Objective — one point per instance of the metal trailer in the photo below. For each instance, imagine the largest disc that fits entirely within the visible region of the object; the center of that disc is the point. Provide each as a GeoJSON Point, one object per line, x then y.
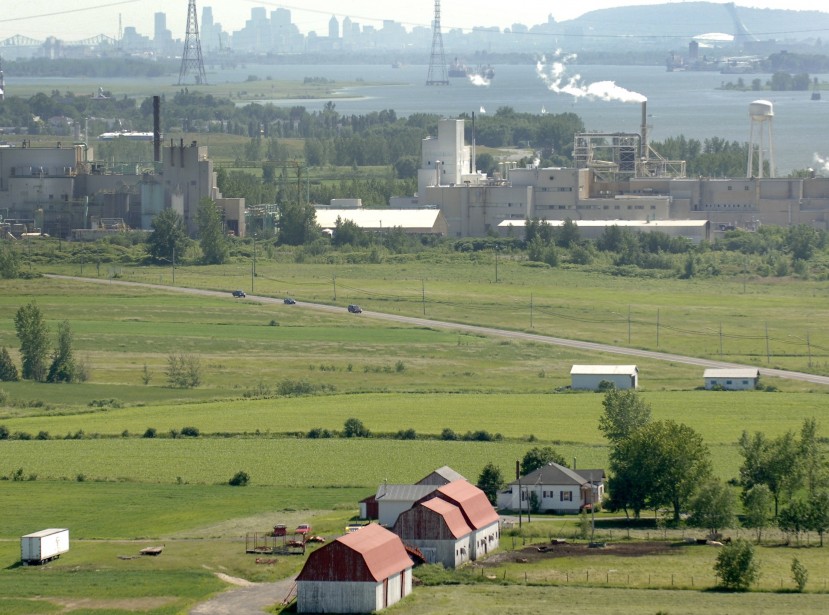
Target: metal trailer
{"type": "Point", "coordinates": [43, 546]}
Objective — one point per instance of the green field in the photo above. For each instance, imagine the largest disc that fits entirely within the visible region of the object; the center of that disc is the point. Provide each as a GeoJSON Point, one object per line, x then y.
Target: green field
{"type": "Point", "coordinates": [119, 492]}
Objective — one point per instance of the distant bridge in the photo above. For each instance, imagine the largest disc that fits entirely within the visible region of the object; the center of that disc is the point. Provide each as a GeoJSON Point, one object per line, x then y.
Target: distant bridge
{"type": "Point", "coordinates": [18, 40]}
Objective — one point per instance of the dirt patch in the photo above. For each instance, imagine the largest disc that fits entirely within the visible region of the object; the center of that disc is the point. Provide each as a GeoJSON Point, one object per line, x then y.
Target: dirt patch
{"type": "Point", "coordinates": [233, 580]}
{"type": "Point", "coordinates": [545, 551]}
{"type": "Point", "coordinates": [131, 604]}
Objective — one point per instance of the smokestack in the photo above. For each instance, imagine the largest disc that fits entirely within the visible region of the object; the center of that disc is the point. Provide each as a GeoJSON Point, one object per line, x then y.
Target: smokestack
{"type": "Point", "coordinates": [157, 128]}
{"type": "Point", "coordinates": [644, 135]}
{"type": "Point", "coordinates": [472, 168]}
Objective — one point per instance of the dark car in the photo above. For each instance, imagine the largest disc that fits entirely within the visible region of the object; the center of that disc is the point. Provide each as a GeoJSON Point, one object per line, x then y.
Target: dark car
{"type": "Point", "coordinates": [355, 309]}
{"type": "Point", "coordinates": [238, 293]}
{"type": "Point", "coordinates": [288, 301]}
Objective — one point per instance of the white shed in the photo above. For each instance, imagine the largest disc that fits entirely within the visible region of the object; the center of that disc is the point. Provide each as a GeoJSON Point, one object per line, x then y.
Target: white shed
{"type": "Point", "coordinates": [590, 377]}
{"type": "Point", "coordinates": [732, 379]}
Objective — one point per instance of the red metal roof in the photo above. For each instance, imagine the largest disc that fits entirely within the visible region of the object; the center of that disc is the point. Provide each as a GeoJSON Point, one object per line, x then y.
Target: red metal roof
{"type": "Point", "coordinates": [434, 519]}
{"type": "Point", "coordinates": [476, 508]}
{"type": "Point", "coordinates": [372, 553]}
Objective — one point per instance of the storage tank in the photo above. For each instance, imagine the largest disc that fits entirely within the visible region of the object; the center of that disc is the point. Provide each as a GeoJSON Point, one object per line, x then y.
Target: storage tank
{"type": "Point", "coordinates": [43, 546]}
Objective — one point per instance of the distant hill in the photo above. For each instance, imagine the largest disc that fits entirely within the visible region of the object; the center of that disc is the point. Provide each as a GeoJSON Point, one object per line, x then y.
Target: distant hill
{"type": "Point", "coordinates": [687, 19]}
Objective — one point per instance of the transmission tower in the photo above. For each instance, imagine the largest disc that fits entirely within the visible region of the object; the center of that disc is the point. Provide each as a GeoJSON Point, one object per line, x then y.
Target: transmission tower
{"type": "Point", "coordinates": [191, 58]}
{"type": "Point", "coordinates": [437, 61]}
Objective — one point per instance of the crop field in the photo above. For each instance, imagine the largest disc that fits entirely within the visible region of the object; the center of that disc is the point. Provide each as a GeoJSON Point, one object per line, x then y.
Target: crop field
{"type": "Point", "coordinates": [93, 471]}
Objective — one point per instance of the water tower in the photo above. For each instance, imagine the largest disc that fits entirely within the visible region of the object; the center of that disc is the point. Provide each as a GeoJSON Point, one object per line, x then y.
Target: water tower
{"type": "Point", "coordinates": [762, 114]}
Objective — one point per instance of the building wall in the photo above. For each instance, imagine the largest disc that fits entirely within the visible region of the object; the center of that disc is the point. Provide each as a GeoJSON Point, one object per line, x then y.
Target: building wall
{"type": "Point", "coordinates": [389, 510]}
{"type": "Point", "coordinates": [450, 553]}
{"type": "Point", "coordinates": [731, 384]}
{"type": "Point", "coordinates": [590, 382]}
{"type": "Point", "coordinates": [349, 597]}
{"type": "Point", "coordinates": [485, 540]}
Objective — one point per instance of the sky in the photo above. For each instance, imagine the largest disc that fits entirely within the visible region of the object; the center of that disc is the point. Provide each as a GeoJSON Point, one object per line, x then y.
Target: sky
{"type": "Point", "coordinates": [78, 19]}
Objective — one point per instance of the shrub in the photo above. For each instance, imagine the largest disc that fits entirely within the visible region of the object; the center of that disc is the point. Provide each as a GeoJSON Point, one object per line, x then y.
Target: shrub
{"type": "Point", "coordinates": [799, 574]}
{"type": "Point", "coordinates": [406, 434]}
{"type": "Point", "coordinates": [8, 370]}
{"type": "Point", "coordinates": [43, 435]}
{"type": "Point", "coordinates": [354, 428]}
{"type": "Point", "coordinates": [448, 434]}
{"type": "Point", "coordinates": [240, 479]}
{"type": "Point", "coordinates": [150, 433]}
{"type": "Point", "coordinates": [190, 432]}
{"type": "Point", "coordinates": [4, 432]}
{"type": "Point", "coordinates": [183, 371]}
{"type": "Point", "coordinates": [736, 567]}
{"type": "Point", "coordinates": [318, 432]}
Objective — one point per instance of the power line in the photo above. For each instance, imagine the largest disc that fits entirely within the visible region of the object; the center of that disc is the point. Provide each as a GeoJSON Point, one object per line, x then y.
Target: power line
{"type": "Point", "coordinates": [68, 11]}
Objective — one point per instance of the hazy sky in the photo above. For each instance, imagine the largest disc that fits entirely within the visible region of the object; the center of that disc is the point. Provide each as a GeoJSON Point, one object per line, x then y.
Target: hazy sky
{"type": "Point", "coordinates": [78, 19]}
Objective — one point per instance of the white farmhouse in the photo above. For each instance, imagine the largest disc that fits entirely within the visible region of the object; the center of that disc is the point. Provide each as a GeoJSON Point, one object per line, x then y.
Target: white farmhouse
{"type": "Point", "coordinates": [590, 377]}
{"type": "Point", "coordinates": [556, 488]}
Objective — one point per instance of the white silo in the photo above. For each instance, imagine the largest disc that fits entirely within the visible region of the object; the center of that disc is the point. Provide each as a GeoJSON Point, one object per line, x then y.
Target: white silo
{"type": "Point", "coordinates": [761, 140]}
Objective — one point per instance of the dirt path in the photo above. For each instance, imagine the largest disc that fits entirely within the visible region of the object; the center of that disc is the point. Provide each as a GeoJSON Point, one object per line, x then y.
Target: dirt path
{"type": "Point", "coordinates": [245, 599]}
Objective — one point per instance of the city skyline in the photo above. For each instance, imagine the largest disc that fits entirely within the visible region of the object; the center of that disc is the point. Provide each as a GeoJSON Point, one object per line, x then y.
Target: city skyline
{"type": "Point", "coordinates": [39, 19]}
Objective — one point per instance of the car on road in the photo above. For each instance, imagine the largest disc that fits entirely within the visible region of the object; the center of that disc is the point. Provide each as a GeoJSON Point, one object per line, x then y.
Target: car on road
{"type": "Point", "coordinates": [288, 301]}
{"type": "Point", "coordinates": [355, 309]}
{"type": "Point", "coordinates": [239, 293]}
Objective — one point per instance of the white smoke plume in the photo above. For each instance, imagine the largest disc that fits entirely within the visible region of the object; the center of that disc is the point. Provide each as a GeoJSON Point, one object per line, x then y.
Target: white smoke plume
{"type": "Point", "coordinates": [556, 79]}
{"type": "Point", "coordinates": [479, 80]}
{"type": "Point", "coordinates": [822, 162]}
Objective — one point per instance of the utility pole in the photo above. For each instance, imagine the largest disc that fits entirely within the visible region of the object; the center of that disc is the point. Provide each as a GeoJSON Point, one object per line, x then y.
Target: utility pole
{"type": "Point", "coordinates": [437, 60]}
{"type": "Point", "coordinates": [191, 57]}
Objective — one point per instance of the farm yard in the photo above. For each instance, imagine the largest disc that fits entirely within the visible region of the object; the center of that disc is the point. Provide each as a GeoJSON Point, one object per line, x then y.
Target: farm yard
{"type": "Point", "coordinates": [272, 374]}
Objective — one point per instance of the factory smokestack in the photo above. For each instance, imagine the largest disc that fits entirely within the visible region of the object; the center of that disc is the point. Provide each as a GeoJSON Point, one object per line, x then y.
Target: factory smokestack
{"type": "Point", "coordinates": [643, 154]}
{"type": "Point", "coordinates": [157, 128]}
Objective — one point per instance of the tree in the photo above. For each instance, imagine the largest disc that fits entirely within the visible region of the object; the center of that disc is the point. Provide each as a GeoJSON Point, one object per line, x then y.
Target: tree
{"type": "Point", "coordinates": [818, 515]}
{"type": "Point", "coordinates": [713, 506]}
{"type": "Point", "coordinates": [660, 464]}
{"type": "Point", "coordinates": [624, 413]}
{"type": "Point", "coordinates": [757, 502]}
{"type": "Point", "coordinates": [62, 368]}
{"type": "Point", "coordinates": [9, 261]}
{"type": "Point", "coordinates": [538, 457]}
{"type": "Point", "coordinates": [775, 463]}
{"type": "Point", "coordinates": [8, 370]}
{"type": "Point", "coordinates": [736, 567]}
{"type": "Point", "coordinates": [490, 482]}
{"type": "Point", "coordinates": [183, 371]}
{"type": "Point", "coordinates": [240, 479]}
{"type": "Point", "coordinates": [212, 237]}
{"type": "Point", "coordinates": [354, 428]}
{"type": "Point", "coordinates": [297, 224]}
{"type": "Point", "coordinates": [168, 241]}
{"type": "Point", "coordinates": [34, 344]}
{"type": "Point", "coordinates": [794, 518]}
{"type": "Point", "coordinates": [811, 456]}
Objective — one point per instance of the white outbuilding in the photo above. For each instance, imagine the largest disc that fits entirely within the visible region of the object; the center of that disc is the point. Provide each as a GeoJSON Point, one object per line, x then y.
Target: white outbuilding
{"type": "Point", "coordinates": [590, 377]}
{"type": "Point", "coordinates": [732, 379]}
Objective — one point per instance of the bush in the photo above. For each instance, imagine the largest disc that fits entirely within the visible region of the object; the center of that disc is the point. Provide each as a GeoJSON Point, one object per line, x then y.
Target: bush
{"type": "Point", "coordinates": [799, 574]}
{"type": "Point", "coordinates": [736, 567]}
{"type": "Point", "coordinates": [406, 434]}
{"type": "Point", "coordinates": [354, 428]}
{"type": "Point", "coordinates": [448, 434]}
{"type": "Point", "coordinates": [183, 371]}
{"type": "Point", "coordinates": [318, 432]}
{"type": "Point", "coordinates": [4, 432]}
{"type": "Point", "coordinates": [240, 479]}
{"type": "Point", "coordinates": [150, 433]}
{"type": "Point", "coordinates": [190, 432]}
{"type": "Point", "coordinates": [8, 370]}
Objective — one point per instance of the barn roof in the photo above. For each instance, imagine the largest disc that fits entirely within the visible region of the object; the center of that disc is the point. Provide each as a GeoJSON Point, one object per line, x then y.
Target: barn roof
{"type": "Point", "coordinates": [444, 473]}
{"type": "Point", "coordinates": [452, 516]}
{"type": "Point", "coordinates": [402, 493]}
{"type": "Point", "coordinates": [746, 372]}
{"type": "Point", "coordinates": [473, 503]}
{"type": "Point", "coordinates": [603, 370]}
{"type": "Point", "coordinates": [372, 553]}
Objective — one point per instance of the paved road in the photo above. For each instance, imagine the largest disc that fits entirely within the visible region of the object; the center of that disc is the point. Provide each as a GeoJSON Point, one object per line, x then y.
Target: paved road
{"type": "Point", "coordinates": [488, 331]}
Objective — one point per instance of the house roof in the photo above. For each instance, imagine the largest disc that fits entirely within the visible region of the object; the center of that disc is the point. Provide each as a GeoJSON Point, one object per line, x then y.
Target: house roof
{"type": "Point", "coordinates": [444, 472]}
{"type": "Point", "coordinates": [748, 372]}
{"type": "Point", "coordinates": [372, 553]}
{"type": "Point", "coordinates": [402, 493]}
{"type": "Point", "coordinates": [555, 474]}
{"type": "Point", "coordinates": [473, 503]}
{"type": "Point", "coordinates": [603, 370]}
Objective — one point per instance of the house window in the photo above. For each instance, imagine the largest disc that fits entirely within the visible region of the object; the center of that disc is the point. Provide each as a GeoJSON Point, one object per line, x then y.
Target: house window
{"type": "Point", "coordinates": [566, 496]}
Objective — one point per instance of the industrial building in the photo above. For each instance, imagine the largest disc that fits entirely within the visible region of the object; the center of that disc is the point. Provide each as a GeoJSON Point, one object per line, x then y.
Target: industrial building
{"type": "Point", "coordinates": [63, 191]}
{"type": "Point", "coordinates": [616, 177]}
{"type": "Point", "coordinates": [361, 572]}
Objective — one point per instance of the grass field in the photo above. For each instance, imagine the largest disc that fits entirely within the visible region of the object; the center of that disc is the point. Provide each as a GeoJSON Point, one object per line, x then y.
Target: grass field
{"type": "Point", "coordinates": [118, 492]}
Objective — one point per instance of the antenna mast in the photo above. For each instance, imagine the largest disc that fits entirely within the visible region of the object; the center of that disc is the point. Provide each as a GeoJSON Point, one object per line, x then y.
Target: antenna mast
{"type": "Point", "coordinates": [437, 61]}
{"type": "Point", "coordinates": [191, 58]}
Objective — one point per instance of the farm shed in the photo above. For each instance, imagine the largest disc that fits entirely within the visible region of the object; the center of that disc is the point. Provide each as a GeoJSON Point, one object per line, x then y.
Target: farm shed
{"type": "Point", "coordinates": [732, 379]}
{"type": "Point", "coordinates": [368, 507]}
{"type": "Point", "coordinates": [361, 572]}
{"type": "Point", "coordinates": [394, 499]}
{"type": "Point", "coordinates": [557, 488]}
{"type": "Point", "coordinates": [477, 512]}
{"type": "Point", "coordinates": [589, 377]}
{"type": "Point", "coordinates": [438, 529]}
